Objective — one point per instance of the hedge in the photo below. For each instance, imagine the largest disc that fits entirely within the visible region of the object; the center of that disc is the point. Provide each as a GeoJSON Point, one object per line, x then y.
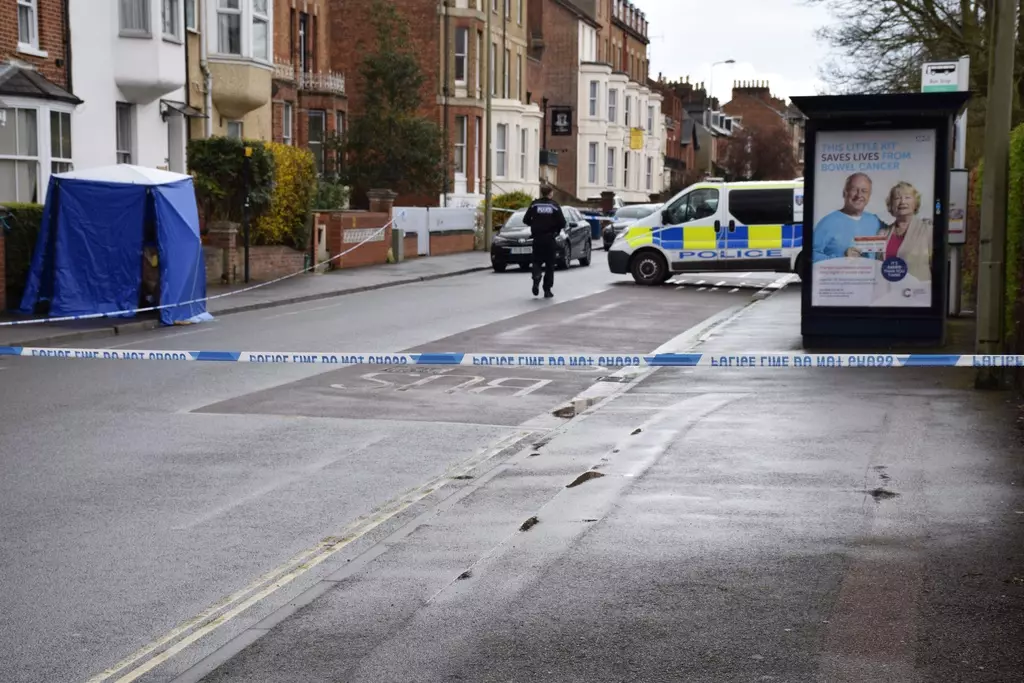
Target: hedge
{"type": "Point", "coordinates": [1015, 242]}
{"type": "Point", "coordinates": [286, 221]}
{"type": "Point", "coordinates": [216, 166]}
{"type": "Point", "coordinates": [20, 243]}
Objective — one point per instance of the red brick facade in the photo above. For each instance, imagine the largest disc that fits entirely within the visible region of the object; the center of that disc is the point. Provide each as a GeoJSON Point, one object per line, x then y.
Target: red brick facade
{"type": "Point", "coordinates": [622, 39]}
{"type": "Point", "coordinates": [554, 74]}
{"type": "Point", "coordinates": [304, 78]}
{"type": "Point", "coordinates": [451, 243]}
{"type": "Point", "coordinates": [371, 253]}
{"type": "Point", "coordinates": [52, 31]}
{"type": "Point", "coordinates": [757, 108]}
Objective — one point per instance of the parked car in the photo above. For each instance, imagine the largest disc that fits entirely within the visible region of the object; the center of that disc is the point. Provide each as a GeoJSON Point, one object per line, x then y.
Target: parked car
{"type": "Point", "coordinates": [623, 218]}
{"type": "Point", "coordinates": [514, 244]}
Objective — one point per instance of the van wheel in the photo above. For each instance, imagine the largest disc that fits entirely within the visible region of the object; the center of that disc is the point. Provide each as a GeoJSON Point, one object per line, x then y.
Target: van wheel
{"type": "Point", "coordinates": [649, 268]}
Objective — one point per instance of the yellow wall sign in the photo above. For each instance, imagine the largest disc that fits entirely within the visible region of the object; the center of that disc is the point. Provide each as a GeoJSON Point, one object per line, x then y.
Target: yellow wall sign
{"type": "Point", "coordinates": [636, 138]}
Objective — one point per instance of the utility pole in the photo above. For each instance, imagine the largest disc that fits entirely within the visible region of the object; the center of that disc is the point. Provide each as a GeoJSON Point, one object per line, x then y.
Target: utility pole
{"type": "Point", "coordinates": [992, 257]}
{"type": "Point", "coordinates": [488, 215]}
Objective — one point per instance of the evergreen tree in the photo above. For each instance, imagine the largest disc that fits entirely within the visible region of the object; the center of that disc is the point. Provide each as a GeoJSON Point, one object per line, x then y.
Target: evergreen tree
{"type": "Point", "coordinates": [390, 145]}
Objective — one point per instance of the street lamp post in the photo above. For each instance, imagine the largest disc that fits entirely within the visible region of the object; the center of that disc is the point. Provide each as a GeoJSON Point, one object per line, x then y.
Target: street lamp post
{"type": "Point", "coordinates": [707, 109]}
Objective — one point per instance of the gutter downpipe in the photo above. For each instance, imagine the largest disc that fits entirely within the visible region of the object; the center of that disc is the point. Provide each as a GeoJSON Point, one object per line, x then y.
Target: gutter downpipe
{"type": "Point", "coordinates": [204, 66]}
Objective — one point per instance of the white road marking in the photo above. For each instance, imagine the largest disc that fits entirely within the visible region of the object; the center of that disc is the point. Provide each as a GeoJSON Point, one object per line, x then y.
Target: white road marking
{"type": "Point", "coordinates": [734, 289]}
{"type": "Point", "coordinates": [590, 314]}
{"type": "Point", "coordinates": [719, 284]}
{"type": "Point", "coordinates": [700, 282]}
{"type": "Point", "coordinates": [172, 335]}
{"type": "Point", "coordinates": [701, 289]}
{"type": "Point", "coordinates": [745, 275]}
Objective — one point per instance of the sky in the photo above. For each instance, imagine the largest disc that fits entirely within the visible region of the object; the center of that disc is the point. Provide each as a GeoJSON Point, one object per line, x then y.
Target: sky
{"type": "Point", "coordinates": [770, 40]}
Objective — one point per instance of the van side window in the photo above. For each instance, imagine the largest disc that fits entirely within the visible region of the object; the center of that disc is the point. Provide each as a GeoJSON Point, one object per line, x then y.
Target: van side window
{"type": "Point", "coordinates": [693, 206]}
{"type": "Point", "coordinates": [761, 207]}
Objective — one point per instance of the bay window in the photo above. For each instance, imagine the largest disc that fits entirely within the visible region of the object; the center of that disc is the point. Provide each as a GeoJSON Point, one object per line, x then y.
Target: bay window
{"type": "Point", "coordinates": [35, 142]}
{"type": "Point", "coordinates": [592, 163]}
{"type": "Point", "coordinates": [523, 137]}
{"type": "Point", "coordinates": [134, 18]}
{"type": "Point", "coordinates": [501, 150]}
{"type": "Point", "coordinates": [171, 16]}
{"type": "Point", "coordinates": [60, 141]}
{"type": "Point", "coordinates": [19, 156]}
{"type": "Point", "coordinates": [260, 30]}
{"type": "Point", "coordinates": [611, 167]}
{"type": "Point", "coordinates": [461, 49]}
{"type": "Point", "coordinates": [461, 126]}
{"type": "Point", "coordinates": [229, 27]}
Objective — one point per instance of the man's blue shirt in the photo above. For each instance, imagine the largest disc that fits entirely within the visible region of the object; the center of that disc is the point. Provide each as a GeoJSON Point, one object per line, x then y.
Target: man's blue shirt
{"type": "Point", "coordinates": [834, 234]}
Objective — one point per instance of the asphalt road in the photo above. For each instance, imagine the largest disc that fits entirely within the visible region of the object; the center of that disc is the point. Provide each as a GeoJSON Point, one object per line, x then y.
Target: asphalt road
{"type": "Point", "coordinates": [750, 525]}
{"type": "Point", "coordinates": [136, 495]}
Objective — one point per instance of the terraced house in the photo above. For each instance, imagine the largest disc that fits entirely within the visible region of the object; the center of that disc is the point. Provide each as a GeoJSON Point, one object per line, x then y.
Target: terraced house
{"type": "Point", "coordinates": [37, 104]}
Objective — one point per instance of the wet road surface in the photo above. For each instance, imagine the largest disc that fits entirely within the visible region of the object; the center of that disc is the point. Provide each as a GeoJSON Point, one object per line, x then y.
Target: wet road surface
{"type": "Point", "coordinates": [137, 495]}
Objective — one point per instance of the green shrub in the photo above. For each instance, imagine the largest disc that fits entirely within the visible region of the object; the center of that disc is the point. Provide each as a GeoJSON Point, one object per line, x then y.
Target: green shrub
{"type": "Point", "coordinates": [24, 221]}
{"type": "Point", "coordinates": [286, 220]}
{"type": "Point", "coordinates": [331, 194]}
{"type": "Point", "coordinates": [511, 200]}
{"type": "Point", "coordinates": [216, 167]}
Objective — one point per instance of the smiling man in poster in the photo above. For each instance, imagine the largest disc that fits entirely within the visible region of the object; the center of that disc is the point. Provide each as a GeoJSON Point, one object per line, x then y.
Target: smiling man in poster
{"type": "Point", "coordinates": [875, 249]}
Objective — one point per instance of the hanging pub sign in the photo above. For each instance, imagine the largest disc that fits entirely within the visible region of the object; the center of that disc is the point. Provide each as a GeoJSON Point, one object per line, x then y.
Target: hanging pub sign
{"type": "Point", "coordinates": [561, 120]}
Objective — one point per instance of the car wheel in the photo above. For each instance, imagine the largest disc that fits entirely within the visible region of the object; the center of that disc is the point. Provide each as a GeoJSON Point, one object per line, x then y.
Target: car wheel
{"type": "Point", "coordinates": [499, 267]}
{"type": "Point", "coordinates": [585, 259]}
{"type": "Point", "coordinates": [649, 268]}
{"type": "Point", "coordinates": [566, 259]}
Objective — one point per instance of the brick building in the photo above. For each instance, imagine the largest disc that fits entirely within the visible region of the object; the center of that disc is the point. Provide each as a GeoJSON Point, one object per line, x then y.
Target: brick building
{"type": "Point", "coordinates": [36, 100]}
{"type": "Point", "coordinates": [755, 106]}
{"type": "Point", "coordinates": [230, 64]}
{"type": "Point", "coordinates": [681, 138]}
{"type": "Point", "coordinates": [591, 55]}
{"type": "Point", "coordinates": [448, 37]}
{"type": "Point", "coordinates": [308, 96]}
{"type": "Point", "coordinates": [713, 127]}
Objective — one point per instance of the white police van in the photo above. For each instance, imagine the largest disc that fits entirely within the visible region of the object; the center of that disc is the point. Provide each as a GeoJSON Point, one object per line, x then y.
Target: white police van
{"type": "Point", "coordinates": [715, 225]}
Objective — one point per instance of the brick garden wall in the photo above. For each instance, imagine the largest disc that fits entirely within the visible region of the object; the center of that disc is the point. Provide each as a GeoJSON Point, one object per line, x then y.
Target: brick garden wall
{"type": "Point", "coordinates": [346, 229]}
{"type": "Point", "coordinates": [267, 263]}
{"type": "Point", "coordinates": [453, 242]}
{"type": "Point", "coordinates": [410, 246]}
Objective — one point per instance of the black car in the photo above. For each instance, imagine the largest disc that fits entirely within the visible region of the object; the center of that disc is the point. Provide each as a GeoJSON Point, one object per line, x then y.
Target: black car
{"type": "Point", "coordinates": [623, 218]}
{"type": "Point", "coordinates": [514, 244]}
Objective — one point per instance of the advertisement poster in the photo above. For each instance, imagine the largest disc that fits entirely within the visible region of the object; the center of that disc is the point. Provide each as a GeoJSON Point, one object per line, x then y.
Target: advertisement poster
{"type": "Point", "coordinates": [874, 209]}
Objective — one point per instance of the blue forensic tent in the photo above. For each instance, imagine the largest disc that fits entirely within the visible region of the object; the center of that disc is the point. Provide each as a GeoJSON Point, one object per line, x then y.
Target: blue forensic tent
{"type": "Point", "coordinates": [89, 255]}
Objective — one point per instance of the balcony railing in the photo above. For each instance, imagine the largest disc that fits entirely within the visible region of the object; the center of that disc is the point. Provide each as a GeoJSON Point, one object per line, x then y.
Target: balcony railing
{"type": "Point", "coordinates": [328, 82]}
{"type": "Point", "coordinates": [284, 71]}
{"type": "Point", "coordinates": [322, 82]}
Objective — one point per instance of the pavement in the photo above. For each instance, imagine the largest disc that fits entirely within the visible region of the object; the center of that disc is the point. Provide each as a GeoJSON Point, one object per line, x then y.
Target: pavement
{"type": "Point", "coordinates": [301, 288]}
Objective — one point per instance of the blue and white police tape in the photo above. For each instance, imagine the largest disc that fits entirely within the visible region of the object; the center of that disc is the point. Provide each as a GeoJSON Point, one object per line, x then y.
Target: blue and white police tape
{"type": "Point", "coordinates": [608, 219]}
{"type": "Point", "coordinates": [527, 360]}
{"type": "Point", "coordinates": [234, 292]}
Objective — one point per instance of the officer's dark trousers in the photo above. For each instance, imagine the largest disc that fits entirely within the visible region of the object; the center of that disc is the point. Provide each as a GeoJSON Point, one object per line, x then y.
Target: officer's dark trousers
{"type": "Point", "coordinates": [544, 260]}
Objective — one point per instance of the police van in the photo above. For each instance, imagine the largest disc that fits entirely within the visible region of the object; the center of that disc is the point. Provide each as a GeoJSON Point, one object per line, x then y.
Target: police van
{"type": "Point", "coordinates": [716, 225]}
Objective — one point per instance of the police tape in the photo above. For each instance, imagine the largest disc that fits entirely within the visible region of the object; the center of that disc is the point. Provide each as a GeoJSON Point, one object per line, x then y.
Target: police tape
{"type": "Point", "coordinates": [535, 360]}
{"type": "Point", "coordinates": [149, 309]}
{"type": "Point", "coordinates": [609, 219]}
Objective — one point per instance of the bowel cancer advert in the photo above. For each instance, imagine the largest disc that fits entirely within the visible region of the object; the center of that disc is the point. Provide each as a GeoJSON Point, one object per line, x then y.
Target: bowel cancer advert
{"type": "Point", "coordinates": [872, 239]}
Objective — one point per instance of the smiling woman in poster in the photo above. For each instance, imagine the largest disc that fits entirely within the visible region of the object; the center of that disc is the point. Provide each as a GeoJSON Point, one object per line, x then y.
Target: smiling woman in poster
{"type": "Point", "coordinates": [908, 237]}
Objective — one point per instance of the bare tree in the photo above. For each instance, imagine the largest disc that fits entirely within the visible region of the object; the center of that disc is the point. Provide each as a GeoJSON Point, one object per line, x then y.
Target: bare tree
{"type": "Point", "coordinates": [761, 151]}
{"type": "Point", "coordinates": [881, 45]}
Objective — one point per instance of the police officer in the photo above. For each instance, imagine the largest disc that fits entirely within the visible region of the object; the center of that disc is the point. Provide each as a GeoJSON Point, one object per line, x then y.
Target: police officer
{"type": "Point", "coordinates": [546, 220]}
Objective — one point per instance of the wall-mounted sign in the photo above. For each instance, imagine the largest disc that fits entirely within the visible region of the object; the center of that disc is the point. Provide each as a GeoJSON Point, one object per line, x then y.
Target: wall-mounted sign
{"type": "Point", "coordinates": [636, 138]}
{"type": "Point", "coordinates": [561, 120]}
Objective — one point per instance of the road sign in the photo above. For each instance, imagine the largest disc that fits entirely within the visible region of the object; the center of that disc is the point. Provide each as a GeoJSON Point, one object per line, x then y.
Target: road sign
{"type": "Point", "coordinates": [940, 77]}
